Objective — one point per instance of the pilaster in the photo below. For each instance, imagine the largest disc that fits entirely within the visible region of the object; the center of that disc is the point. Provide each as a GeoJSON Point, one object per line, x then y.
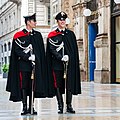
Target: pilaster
{"type": "Point", "coordinates": [101, 73]}
{"type": "Point", "coordinates": [80, 29]}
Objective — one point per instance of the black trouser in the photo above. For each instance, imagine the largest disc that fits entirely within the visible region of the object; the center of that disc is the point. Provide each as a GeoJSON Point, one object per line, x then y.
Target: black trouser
{"type": "Point", "coordinates": [26, 88]}
{"type": "Point", "coordinates": [26, 82]}
{"type": "Point", "coordinates": [60, 89]}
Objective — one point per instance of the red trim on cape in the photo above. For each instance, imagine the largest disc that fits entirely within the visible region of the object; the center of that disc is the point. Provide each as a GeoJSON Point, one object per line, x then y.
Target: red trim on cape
{"type": "Point", "coordinates": [53, 33]}
{"type": "Point", "coordinates": [20, 34]}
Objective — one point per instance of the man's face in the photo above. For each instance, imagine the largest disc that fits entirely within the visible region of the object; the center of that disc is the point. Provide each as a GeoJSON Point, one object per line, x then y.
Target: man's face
{"type": "Point", "coordinates": [31, 23]}
{"type": "Point", "coordinates": [61, 24]}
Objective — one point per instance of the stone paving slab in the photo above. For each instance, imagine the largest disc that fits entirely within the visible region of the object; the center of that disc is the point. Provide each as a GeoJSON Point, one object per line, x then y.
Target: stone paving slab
{"type": "Point", "coordinates": [97, 102]}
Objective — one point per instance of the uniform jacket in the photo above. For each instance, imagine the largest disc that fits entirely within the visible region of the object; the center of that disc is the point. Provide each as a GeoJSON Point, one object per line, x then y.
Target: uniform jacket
{"type": "Point", "coordinates": [18, 56]}
{"type": "Point", "coordinates": [54, 58]}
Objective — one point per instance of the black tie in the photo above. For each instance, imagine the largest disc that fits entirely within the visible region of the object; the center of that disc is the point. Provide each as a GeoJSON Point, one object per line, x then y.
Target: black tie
{"type": "Point", "coordinates": [62, 31]}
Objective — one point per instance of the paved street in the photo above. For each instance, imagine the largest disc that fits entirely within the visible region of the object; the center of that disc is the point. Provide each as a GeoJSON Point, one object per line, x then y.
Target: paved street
{"type": "Point", "coordinates": [97, 102]}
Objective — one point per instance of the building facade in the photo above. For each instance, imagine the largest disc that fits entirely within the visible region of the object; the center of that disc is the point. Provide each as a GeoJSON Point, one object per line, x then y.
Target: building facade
{"type": "Point", "coordinates": [97, 35]}
{"type": "Point", "coordinates": [103, 28]}
{"type": "Point", "coordinates": [94, 39]}
{"type": "Point", "coordinates": [11, 21]}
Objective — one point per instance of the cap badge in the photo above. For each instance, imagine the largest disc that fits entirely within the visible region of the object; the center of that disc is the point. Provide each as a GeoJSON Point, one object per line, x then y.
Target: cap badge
{"type": "Point", "coordinates": [62, 13]}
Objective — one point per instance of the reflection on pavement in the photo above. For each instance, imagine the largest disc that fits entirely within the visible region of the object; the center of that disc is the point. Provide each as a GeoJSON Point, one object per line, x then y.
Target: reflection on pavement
{"type": "Point", "coordinates": [97, 102]}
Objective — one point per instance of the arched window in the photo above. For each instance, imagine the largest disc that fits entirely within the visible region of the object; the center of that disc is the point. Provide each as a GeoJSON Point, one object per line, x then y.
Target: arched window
{"type": "Point", "coordinates": [5, 58]}
{"type": "Point", "coordinates": [9, 22]}
{"type": "Point", "coordinates": [2, 48]}
{"type": "Point", "coordinates": [5, 47]}
{"type": "Point", "coordinates": [9, 46]}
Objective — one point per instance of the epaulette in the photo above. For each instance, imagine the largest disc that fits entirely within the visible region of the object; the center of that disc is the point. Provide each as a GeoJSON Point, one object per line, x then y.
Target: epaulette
{"type": "Point", "coordinates": [53, 33]}
{"type": "Point", "coordinates": [20, 34]}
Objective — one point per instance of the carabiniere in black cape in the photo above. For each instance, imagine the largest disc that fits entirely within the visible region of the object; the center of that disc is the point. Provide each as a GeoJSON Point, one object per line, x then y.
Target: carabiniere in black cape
{"type": "Point", "coordinates": [41, 84]}
{"type": "Point", "coordinates": [71, 49]}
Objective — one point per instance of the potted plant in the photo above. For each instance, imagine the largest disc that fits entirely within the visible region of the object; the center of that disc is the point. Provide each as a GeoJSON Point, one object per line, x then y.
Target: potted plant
{"type": "Point", "coordinates": [5, 69]}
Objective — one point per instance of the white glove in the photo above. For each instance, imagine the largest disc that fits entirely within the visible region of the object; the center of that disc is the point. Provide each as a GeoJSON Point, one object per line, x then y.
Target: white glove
{"type": "Point", "coordinates": [32, 57]}
{"type": "Point", "coordinates": [65, 58]}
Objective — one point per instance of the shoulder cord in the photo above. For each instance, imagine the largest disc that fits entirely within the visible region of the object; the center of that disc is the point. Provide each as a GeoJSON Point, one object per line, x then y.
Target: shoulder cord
{"type": "Point", "coordinates": [19, 44]}
{"type": "Point", "coordinates": [25, 49]}
{"type": "Point", "coordinates": [59, 47]}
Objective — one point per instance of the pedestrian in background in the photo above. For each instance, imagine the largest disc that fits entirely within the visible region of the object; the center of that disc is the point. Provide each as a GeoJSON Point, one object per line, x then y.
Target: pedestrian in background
{"type": "Point", "coordinates": [27, 48]}
{"type": "Point", "coordinates": [61, 49]}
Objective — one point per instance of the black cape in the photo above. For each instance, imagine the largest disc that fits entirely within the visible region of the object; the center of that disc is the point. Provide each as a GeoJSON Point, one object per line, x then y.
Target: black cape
{"type": "Point", "coordinates": [41, 84]}
{"type": "Point", "coordinates": [74, 81]}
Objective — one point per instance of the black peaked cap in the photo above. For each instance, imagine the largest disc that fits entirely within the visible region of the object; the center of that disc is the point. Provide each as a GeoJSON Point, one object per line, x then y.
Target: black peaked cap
{"type": "Point", "coordinates": [30, 17]}
{"type": "Point", "coordinates": [61, 16]}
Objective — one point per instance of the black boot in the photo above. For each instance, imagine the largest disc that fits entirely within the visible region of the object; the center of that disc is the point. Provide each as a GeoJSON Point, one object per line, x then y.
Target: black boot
{"type": "Point", "coordinates": [60, 101]}
{"type": "Point", "coordinates": [68, 101]}
{"type": "Point", "coordinates": [24, 111]}
{"type": "Point", "coordinates": [29, 109]}
{"type": "Point", "coordinates": [24, 101]}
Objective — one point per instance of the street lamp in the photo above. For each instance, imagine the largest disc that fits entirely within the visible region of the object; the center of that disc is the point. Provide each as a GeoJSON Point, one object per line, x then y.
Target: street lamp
{"type": "Point", "coordinates": [87, 12]}
{"type": "Point", "coordinates": [67, 21]}
{"type": "Point", "coordinates": [117, 1]}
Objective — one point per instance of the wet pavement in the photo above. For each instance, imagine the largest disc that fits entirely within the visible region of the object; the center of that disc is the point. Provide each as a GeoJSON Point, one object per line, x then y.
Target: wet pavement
{"type": "Point", "coordinates": [97, 102]}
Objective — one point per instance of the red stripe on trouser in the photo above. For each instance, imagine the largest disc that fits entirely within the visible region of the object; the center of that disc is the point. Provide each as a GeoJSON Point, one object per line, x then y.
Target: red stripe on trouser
{"type": "Point", "coordinates": [20, 75]}
{"type": "Point", "coordinates": [54, 76]}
